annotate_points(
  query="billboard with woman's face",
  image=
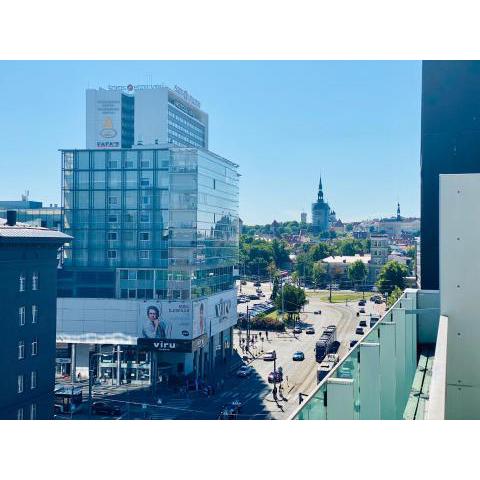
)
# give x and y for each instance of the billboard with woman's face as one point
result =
(165, 320)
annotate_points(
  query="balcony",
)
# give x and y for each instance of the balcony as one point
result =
(397, 370)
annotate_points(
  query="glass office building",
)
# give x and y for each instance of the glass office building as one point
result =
(155, 222)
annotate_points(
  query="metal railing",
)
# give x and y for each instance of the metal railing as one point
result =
(373, 381)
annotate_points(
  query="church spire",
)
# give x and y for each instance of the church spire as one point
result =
(398, 211)
(320, 190)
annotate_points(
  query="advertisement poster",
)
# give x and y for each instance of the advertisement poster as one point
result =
(199, 318)
(108, 119)
(165, 320)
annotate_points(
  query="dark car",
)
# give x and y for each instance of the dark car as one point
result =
(317, 312)
(275, 377)
(378, 301)
(297, 329)
(363, 323)
(359, 331)
(362, 310)
(361, 303)
(243, 282)
(244, 371)
(257, 284)
(353, 343)
(103, 408)
(310, 331)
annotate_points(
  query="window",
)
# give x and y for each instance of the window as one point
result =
(20, 414)
(112, 235)
(145, 163)
(34, 347)
(21, 315)
(144, 254)
(34, 313)
(145, 218)
(145, 182)
(146, 200)
(21, 349)
(128, 164)
(20, 384)
(111, 254)
(33, 411)
(33, 380)
(22, 281)
(113, 200)
(112, 219)
(145, 236)
(112, 164)
(35, 281)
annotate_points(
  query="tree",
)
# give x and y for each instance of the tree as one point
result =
(293, 299)
(357, 272)
(392, 275)
(295, 277)
(394, 296)
(319, 274)
(275, 288)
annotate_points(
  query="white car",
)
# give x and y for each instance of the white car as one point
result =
(270, 355)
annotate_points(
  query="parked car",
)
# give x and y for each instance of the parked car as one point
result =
(297, 329)
(104, 408)
(363, 323)
(378, 301)
(362, 310)
(298, 356)
(361, 303)
(275, 377)
(244, 371)
(243, 282)
(254, 297)
(317, 312)
(270, 355)
(353, 343)
(310, 331)
(257, 284)
(374, 320)
(359, 331)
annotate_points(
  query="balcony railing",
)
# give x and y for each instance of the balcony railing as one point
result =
(374, 381)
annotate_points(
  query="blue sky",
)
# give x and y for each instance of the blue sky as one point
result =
(284, 122)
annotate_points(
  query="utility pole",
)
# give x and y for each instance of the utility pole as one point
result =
(330, 284)
(248, 330)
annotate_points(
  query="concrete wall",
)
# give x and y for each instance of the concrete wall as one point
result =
(459, 280)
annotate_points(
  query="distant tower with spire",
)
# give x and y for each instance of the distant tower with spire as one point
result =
(320, 212)
(399, 218)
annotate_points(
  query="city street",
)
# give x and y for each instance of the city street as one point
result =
(254, 391)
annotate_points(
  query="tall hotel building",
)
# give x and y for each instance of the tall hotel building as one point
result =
(123, 116)
(151, 270)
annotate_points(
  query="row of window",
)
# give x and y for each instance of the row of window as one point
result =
(178, 129)
(33, 381)
(33, 412)
(174, 116)
(23, 282)
(142, 254)
(182, 140)
(21, 348)
(22, 314)
(144, 236)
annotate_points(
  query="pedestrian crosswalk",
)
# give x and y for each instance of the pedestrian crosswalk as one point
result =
(171, 409)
